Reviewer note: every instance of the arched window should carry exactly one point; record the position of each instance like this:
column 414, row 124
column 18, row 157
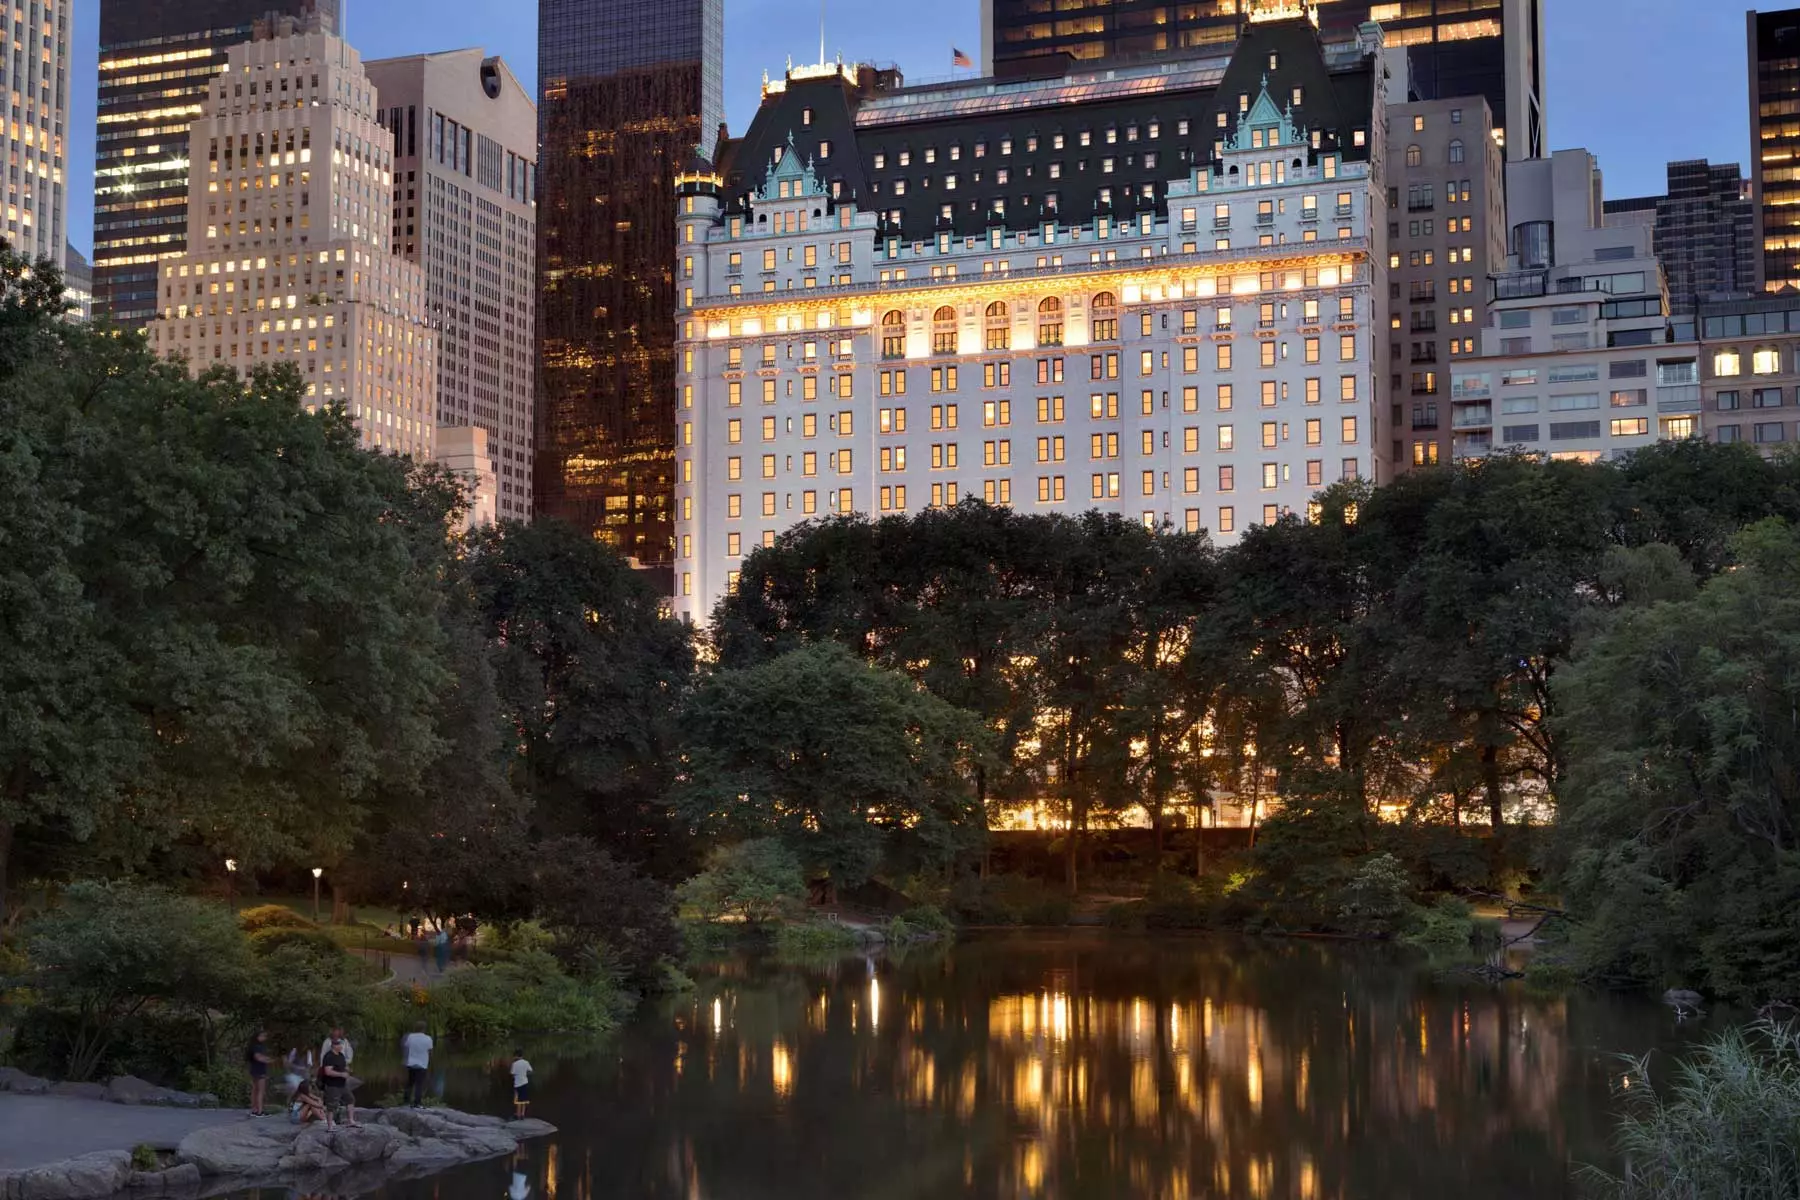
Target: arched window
column 893, row 334
column 999, row 330
column 943, row 330
column 1456, row 151
column 1414, row 156
column 1103, row 320
column 1050, row 322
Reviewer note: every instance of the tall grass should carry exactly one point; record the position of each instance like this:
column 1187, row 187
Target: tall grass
column 1726, row 1128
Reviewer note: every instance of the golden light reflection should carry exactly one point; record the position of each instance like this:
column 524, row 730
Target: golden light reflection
column 781, row 1069
column 874, row 1004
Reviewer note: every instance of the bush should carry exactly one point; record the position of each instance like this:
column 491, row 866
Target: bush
column 226, row 1080
column 1008, row 900
column 1377, row 900
column 310, row 943
column 811, row 939
column 1728, row 1127
column 144, row 1157
column 1445, row 928
column 272, row 916
column 527, row 993
column 930, row 918
column 753, row 881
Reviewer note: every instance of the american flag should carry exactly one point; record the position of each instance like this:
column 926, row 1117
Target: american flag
column 959, row 59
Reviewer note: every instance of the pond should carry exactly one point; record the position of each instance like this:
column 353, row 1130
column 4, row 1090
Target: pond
column 1079, row 1064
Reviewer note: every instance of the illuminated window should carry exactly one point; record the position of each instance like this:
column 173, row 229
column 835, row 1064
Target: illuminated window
column 1050, row 322
column 1765, row 361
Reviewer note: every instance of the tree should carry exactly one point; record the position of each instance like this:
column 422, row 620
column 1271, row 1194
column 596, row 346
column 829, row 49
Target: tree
column 853, row 767
column 218, row 614
column 1679, row 852
column 753, row 881
column 590, row 675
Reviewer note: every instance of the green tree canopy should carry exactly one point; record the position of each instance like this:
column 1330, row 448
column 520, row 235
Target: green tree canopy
column 856, row 768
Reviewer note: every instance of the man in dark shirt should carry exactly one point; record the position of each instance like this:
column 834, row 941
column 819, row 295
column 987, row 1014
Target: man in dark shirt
column 334, row 1079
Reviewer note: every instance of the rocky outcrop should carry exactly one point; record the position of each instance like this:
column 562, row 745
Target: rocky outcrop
column 129, row 1089
column 388, row 1145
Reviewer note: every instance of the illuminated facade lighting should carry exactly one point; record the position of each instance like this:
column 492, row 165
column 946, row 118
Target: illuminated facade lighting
column 1168, row 309
column 157, row 58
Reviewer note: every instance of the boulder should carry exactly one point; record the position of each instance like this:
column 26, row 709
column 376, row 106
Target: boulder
column 429, row 1150
column 81, row 1091
column 129, row 1089
column 311, row 1151
column 252, row 1148
column 14, row 1080
column 183, row 1177
column 85, row 1178
column 530, row 1127
column 365, row 1143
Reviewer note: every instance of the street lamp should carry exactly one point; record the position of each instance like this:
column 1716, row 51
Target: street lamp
column 230, row 870
column 317, row 871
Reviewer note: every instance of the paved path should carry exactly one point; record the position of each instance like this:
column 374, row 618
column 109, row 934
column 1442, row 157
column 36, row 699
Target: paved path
column 43, row 1129
column 406, row 967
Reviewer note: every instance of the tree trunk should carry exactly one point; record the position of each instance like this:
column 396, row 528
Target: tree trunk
column 1156, row 798
column 1199, row 842
column 1490, row 778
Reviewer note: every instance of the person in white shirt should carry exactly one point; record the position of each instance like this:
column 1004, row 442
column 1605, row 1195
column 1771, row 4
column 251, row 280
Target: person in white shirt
column 417, row 1048
column 346, row 1049
column 521, row 1081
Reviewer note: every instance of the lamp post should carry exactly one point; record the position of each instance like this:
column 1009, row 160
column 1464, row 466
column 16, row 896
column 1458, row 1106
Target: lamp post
column 230, row 871
column 317, row 871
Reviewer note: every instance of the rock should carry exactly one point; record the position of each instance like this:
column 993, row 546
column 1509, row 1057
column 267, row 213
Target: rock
column 81, row 1091
column 426, row 1150
column 129, row 1089
column 530, row 1127
column 251, row 1148
column 85, row 1178
column 365, row 1143
column 1682, row 998
column 14, row 1080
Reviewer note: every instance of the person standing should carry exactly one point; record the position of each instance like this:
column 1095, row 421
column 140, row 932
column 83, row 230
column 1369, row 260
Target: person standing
column 417, row 1048
column 443, row 951
column 334, row 1079
column 337, row 1035
column 521, row 1083
column 257, row 1058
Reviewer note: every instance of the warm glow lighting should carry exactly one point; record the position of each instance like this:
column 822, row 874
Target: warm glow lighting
column 318, row 871
column 874, row 1003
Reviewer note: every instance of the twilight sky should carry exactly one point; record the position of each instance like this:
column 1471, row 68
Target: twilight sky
column 1673, row 87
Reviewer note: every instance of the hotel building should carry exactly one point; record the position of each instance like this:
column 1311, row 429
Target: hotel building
column 465, row 145
column 157, row 60
column 290, row 207
column 1154, row 291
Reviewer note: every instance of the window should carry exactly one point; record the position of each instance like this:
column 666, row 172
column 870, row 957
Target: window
column 998, row 333
column 1456, row 150
column 1726, row 402
column 1765, row 360
column 1630, row 426
column 943, row 330
column 1225, row 437
column 1769, row 432
column 1414, row 156
column 1104, row 318
column 1728, row 363
column 1347, row 432
column 1050, row 322
column 893, row 335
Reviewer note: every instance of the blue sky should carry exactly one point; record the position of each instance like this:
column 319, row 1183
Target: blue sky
column 1638, row 82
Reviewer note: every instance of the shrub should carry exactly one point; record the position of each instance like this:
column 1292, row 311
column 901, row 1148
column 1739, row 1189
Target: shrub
column 1008, row 900
column 1446, row 927
column 272, row 916
column 1728, row 1127
column 754, row 881
column 930, row 918
column 311, row 943
column 226, row 1080
column 1377, row 898
column 144, row 1157
column 810, row 939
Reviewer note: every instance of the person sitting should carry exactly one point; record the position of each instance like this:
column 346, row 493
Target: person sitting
column 308, row 1107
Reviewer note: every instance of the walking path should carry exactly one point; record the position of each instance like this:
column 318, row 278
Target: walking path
column 35, row 1130
column 406, row 967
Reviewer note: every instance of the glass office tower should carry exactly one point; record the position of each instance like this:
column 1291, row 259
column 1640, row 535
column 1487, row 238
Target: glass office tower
column 628, row 91
column 156, row 58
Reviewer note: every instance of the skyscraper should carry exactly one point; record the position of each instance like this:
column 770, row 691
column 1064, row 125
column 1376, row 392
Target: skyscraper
column 37, row 74
column 628, row 91
column 1491, row 48
column 289, row 211
column 1774, row 45
column 156, row 59
column 465, row 144
column 1705, row 230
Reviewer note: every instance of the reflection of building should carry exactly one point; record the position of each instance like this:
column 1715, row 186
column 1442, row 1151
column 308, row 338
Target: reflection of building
column 78, row 283
column 1705, row 232
column 1149, row 291
column 289, row 209
column 156, row 59
column 1449, row 216
column 465, row 135
column 1491, row 48
column 628, row 89
column 1774, row 46
column 1578, row 359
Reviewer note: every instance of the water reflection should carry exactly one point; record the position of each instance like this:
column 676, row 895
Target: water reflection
column 1082, row 1066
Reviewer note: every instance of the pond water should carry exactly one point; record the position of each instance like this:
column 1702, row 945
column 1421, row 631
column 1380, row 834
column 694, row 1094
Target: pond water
column 1079, row 1064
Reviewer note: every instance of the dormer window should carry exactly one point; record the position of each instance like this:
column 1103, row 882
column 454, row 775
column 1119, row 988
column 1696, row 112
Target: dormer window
column 1224, row 122
column 824, row 149
column 931, row 154
column 881, row 162
column 1243, row 102
column 1274, row 61
column 955, row 153
column 1299, row 97
column 906, row 158
column 806, row 115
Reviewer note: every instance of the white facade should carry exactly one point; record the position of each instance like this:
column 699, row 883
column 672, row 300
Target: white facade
column 1577, row 360
column 1210, row 366
column 289, row 203
column 465, row 148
